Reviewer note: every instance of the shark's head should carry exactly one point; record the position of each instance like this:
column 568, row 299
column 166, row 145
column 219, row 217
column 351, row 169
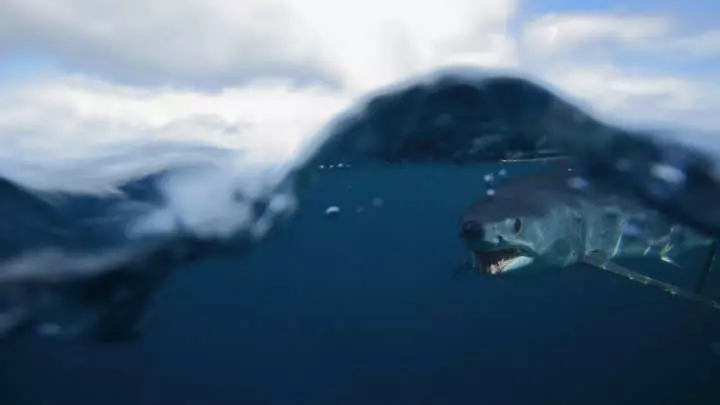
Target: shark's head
column 495, row 247
column 522, row 225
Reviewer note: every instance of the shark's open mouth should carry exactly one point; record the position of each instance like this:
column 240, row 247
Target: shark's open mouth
column 495, row 261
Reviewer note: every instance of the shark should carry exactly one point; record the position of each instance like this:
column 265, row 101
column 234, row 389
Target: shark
column 555, row 218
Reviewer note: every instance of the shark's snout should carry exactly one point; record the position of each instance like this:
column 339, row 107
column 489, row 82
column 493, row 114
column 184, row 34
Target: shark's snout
column 472, row 229
column 491, row 252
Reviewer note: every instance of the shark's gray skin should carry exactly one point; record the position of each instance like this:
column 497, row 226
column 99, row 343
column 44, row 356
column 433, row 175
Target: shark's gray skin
column 554, row 218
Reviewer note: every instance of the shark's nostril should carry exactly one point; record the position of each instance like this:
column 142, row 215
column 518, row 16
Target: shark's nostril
column 472, row 229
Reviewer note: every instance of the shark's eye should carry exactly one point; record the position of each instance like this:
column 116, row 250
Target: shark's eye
column 518, row 225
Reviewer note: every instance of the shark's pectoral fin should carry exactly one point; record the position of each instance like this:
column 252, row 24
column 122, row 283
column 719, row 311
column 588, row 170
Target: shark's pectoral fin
column 599, row 261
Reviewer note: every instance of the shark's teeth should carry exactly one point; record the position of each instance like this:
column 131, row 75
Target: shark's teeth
column 496, row 261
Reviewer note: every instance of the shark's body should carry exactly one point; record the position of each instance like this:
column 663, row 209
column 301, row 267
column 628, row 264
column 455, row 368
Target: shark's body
column 554, row 218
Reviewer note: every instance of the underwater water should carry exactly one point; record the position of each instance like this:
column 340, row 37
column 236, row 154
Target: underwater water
column 362, row 308
column 168, row 273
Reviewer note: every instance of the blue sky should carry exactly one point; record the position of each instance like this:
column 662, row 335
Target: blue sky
column 84, row 71
column 691, row 18
column 23, row 59
column 699, row 14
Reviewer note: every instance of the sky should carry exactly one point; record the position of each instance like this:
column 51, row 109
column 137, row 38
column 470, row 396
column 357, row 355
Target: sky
column 265, row 75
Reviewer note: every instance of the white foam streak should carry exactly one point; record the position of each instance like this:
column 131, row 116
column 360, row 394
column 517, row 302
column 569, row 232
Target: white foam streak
column 52, row 265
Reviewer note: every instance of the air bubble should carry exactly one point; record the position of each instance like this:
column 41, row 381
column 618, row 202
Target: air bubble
column 502, row 172
column 577, row 183
column 490, row 192
column 332, row 212
column 667, row 173
column 488, row 178
column 378, row 202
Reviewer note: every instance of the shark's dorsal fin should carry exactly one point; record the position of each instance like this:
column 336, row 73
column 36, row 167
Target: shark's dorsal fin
column 599, row 261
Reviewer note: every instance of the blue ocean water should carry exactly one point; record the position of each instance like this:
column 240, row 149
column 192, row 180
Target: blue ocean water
column 363, row 308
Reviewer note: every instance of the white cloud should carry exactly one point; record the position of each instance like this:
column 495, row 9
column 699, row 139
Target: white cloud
column 216, row 42
column 584, row 55
column 705, row 44
column 275, row 113
column 375, row 42
column 257, row 50
column 576, row 34
column 557, row 33
column 619, row 94
column 62, row 125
